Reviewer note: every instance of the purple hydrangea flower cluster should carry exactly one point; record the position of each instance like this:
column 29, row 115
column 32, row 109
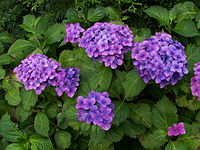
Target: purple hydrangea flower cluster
column 73, row 31
column 96, row 108
column 195, row 81
column 107, row 43
column 38, row 71
column 160, row 58
column 176, row 130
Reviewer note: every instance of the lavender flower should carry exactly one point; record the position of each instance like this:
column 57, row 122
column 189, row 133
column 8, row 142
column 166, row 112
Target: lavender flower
column 107, row 43
column 160, row 58
column 96, row 108
column 176, row 130
column 37, row 71
column 195, row 82
column 73, row 31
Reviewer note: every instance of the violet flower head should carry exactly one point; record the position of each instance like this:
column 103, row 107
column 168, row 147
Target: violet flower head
column 73, row 31
column 177, row 129
column 195, row 81
column 107, row 43
column 38, row 71
column 96, row 108
column 160, row 58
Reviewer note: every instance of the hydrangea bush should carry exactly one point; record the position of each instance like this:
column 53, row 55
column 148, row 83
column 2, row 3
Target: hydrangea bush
column 103, row 81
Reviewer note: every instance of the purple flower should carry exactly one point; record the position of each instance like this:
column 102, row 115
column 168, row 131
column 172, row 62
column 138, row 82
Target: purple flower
column 37, row 72
column 107, row 43
column 160, row 58
column 73, row 31
column 96, row 108
column 195, row 81
column 176, row 130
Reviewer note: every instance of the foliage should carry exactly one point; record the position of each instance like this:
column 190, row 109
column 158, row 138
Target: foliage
column 142, row 111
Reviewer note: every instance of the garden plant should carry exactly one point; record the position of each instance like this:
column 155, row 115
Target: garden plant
column 99, row 75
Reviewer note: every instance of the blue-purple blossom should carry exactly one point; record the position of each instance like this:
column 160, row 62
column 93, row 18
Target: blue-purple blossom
column 96, row 108
column 107, row 43
column 160, row 58
column 38, row 71
column 73, row 31
column 195, row 82
column 177, row 129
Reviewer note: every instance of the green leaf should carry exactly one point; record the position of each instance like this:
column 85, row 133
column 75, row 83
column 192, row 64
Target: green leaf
column 159, row 13
column 9, row 130
column 5, row 59
column 193, row 56
column 186, row 28
column 141, row 113
column 6, row 38
column 13, row 96
column 172, row 14
column 22, row 114
column 121, row 112
column 133, row 84
column 2, row 72
column 112, row 13
column 132, row 129
column 41, row 124
column 142, row 34
column 63, row 139
column 115, row 134
column 40, row 143
column 51, row 110
column 29, row 20
column 10, row 82
column 74, row 15
column 96, row 14
column 54, row 33
column 186, row 10
column 97, row 134
column 14, row 146
column 164, row 114
column 155, row 140
column 29, row 98
column 101, row 77
column 175, row 145
column 20, row 49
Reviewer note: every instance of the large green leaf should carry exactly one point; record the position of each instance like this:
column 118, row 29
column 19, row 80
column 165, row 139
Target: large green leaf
column 186, row 28
column 29, row 98
column 5, row 59
column 6, row 38
column 142, row 34
column 62, row 139
column 96, row 14
column 40, row 143
column 175, row 145
column 186, row 10
column 20, row 49
column 54, row 33
column 164, row 114
column 14, row 146
column 9, row 130
column 28, row 23
column 112, row 13
column 191, row 104
column 193, row 56
column 115, row 134
column 133, row 84
column 159, row 13
column 141, row 113
column 13, row 96
column 73, row 15
column 96, row 134
column 2, row 72
column 121, row 112
column 132, row 129
column 41, row 124
column 155, row 140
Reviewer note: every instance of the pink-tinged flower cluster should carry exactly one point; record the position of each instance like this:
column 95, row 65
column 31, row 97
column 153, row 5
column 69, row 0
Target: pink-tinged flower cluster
column 160, row 58
column 96, row 108
column 195, row 81
column 107, row 43
column 38, row 71
column 73, row 31
column 176, row 130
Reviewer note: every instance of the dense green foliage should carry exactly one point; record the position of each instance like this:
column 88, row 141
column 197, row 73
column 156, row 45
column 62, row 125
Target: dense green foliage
column 142, row 111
